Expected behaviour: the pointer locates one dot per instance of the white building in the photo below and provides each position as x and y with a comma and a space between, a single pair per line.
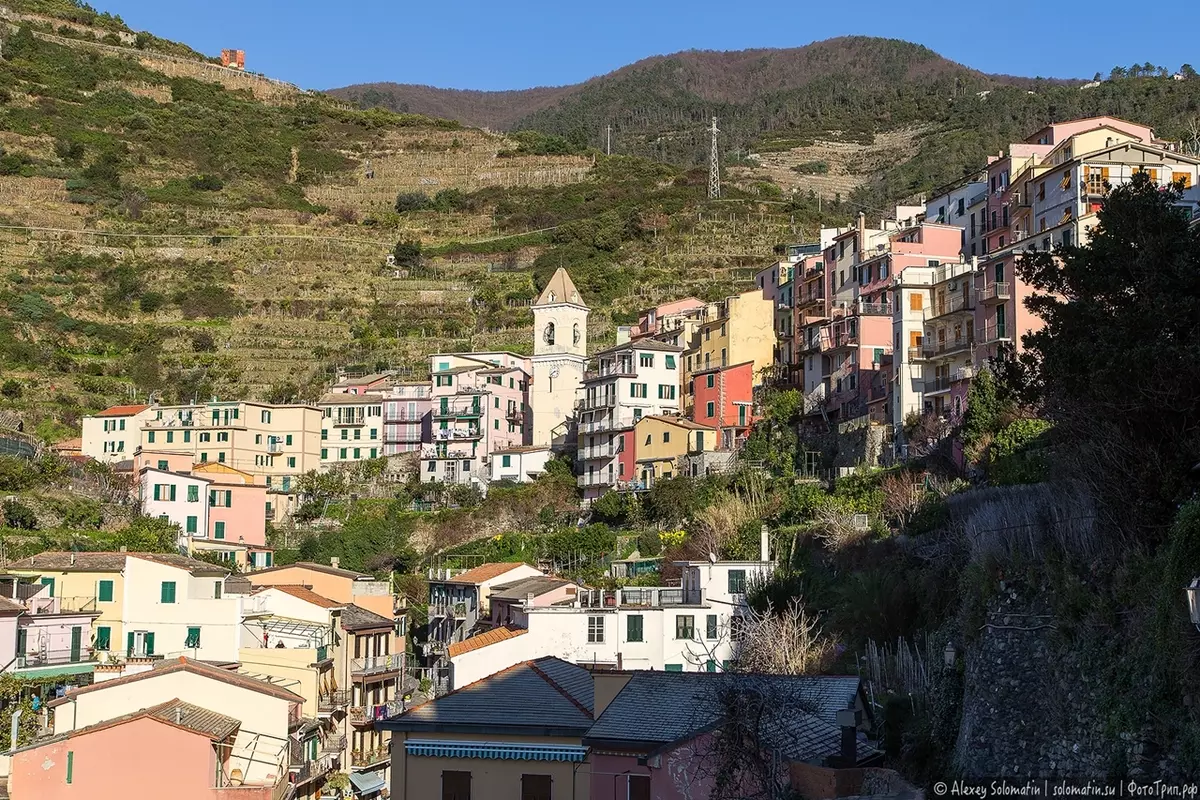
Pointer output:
113, 434
627, 382
176, 606
559, 359
180, 499
519, 464
351, 427
963, 205
692, 627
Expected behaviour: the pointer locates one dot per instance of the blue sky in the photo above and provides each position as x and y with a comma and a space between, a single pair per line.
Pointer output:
467, 44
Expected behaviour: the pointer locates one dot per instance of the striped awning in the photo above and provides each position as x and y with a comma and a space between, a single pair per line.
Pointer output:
504, 751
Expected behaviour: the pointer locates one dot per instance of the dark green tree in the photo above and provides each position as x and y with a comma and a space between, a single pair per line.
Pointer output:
1117, 363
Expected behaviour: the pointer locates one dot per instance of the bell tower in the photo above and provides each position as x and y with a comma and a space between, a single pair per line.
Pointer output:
559, 358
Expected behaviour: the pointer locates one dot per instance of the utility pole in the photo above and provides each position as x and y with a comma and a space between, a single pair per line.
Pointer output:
608, 142
714, 166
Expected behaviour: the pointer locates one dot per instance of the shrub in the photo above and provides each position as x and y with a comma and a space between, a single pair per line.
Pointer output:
20, 516
206, 183
812, 168
411, 201
1018, 453
408, 254
208, 301
13, 163
11, 389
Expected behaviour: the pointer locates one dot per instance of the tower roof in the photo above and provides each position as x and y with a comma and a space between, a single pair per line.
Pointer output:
560, 289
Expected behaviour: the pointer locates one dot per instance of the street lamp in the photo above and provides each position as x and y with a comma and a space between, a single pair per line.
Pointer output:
950, 654
1193, 598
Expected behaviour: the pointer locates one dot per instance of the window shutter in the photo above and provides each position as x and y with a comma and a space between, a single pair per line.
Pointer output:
212, 497
157, 492
149, 644
173, 487
1104, 174
129, 644
228, 498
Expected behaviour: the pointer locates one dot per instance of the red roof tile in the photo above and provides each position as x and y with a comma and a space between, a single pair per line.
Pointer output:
122, 411
485, 572
484, 639
306, 594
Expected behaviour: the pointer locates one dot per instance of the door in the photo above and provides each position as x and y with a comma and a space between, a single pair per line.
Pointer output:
456, 785
639, 787
535, 787
76, 643
49, 582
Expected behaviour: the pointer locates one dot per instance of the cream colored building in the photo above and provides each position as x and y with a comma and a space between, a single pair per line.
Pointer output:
112, 435
661, 441
277, 443
559, 360
738, 329
351, 427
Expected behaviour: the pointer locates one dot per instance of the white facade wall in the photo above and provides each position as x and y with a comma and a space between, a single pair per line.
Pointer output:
351, 432
261, 743
955, 207
169, 495
908, 326
517, 465
196, 605
112, 439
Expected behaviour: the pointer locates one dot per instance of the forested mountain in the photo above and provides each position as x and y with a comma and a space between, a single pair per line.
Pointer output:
845, 89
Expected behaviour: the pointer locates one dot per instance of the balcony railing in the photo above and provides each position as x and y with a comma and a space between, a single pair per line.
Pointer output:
404, 416
367, 758
839, 339
61, 605
376, 664
620, 371
274, 446
874, 309
939, 384
331, 701
995, 293
448, 610
457, 413
995, 333
50, 658
599, 451
609, 422
363, 715
916, 353
641, 597
953, 305
335, 743
350, 421
305, 771
807, 302
947, 347
584, 481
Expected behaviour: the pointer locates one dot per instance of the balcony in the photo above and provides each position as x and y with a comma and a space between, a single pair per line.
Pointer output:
328, 702
305, 771
947, 347
371, 757
470, 412
954, 305
349, 420
994, 334
641, 597
55, 658
916, 353
838, 339
61, 605
335, 743
874, 309
608, 422
367, 715
584, 481
404, 416
274, 445
995, 293
374, 665
624, 370
599, 451
937, 385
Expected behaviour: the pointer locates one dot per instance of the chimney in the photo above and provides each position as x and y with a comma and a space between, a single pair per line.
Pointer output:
862, 232
334, 561
72, 559
529, 600
178, 715
764, 544
847, 720
605, 687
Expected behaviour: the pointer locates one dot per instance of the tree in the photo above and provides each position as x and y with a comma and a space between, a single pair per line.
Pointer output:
1188, 72
148, 535
984, 413
1116, 364
11, 389
20, 516
1116, 74
411, 201
407, 254
789, 642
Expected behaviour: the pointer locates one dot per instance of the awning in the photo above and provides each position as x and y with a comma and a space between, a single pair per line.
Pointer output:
366, 783
495, 750
55, 672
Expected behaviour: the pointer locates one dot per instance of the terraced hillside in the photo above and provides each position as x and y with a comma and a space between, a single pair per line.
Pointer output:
167, 229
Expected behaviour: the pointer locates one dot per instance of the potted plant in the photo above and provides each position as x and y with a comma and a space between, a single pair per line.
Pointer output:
338, 782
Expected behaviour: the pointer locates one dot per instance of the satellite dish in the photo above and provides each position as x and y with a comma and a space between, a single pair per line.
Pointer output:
554, 372
712, 557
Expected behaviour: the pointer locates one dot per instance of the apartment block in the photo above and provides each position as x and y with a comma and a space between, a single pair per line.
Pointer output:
624, 384
115, 433
723, 399
660, 444
479, 405
406, 417
741, 328
352, 427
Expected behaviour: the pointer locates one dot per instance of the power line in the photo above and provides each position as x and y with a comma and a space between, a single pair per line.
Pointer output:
714, 166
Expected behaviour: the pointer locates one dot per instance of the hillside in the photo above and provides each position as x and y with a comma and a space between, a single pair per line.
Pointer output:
942, 118
173, 227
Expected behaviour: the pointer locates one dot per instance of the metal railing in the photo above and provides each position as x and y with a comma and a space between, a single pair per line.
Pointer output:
48, 658
995, 292
874, 309
611, 422
366, 758
456, 413
305, 771
329, 701
61, 605
622, 371
599, 451
449, 610
916, 353
376, 664
953, 305
939, 384
947, 346
335, 743
995, 333
404, 416
595, 479
349, 420
641, 597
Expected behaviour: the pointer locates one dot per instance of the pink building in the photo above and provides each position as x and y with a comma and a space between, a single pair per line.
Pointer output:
51, 635
537, 591
406, 422
173, 748
651, 737
656, 320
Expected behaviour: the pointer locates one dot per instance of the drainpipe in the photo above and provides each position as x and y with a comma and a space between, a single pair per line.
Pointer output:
16, 723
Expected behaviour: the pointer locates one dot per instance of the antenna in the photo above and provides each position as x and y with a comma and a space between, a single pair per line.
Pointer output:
714, 166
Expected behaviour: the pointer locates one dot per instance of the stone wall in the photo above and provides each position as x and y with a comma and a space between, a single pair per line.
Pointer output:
1034, 704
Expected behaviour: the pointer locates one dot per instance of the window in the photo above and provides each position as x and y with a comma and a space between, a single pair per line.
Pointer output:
633, 628
164, 466
666, 391
595, 630
193, 638
673, 668
291, 462
1000, 272
324, 453
266, 417
218, 530
167, 594
456, 785
217, 587
535, 787
103, 638
1186, 177
193, 494
666, 437
671, 359
916, 301
645, 360
191, 524
357, 433
737, 581
204, 458
639, 785
358, 452
737, 626
506, 461
710, 381
685, 626
638, 390
70, 766
258, 438
710, 626
710, 409
150, 437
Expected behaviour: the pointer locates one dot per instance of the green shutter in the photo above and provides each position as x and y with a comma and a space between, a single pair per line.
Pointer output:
187, 436
70, 766
193, 638
218, 530
22, 640
324, 453
129, 644
103, 638
191, 524
49, 582
287, 440
157, 491
150, 437
173, 487
212, 497
193, 494
228, 498
105, 594
673, 667
168, 592
633, 629
149, 644
710, 666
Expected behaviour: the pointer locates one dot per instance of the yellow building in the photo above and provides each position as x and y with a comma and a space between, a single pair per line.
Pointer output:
95, 581
738, 329
660, 441
277, 443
